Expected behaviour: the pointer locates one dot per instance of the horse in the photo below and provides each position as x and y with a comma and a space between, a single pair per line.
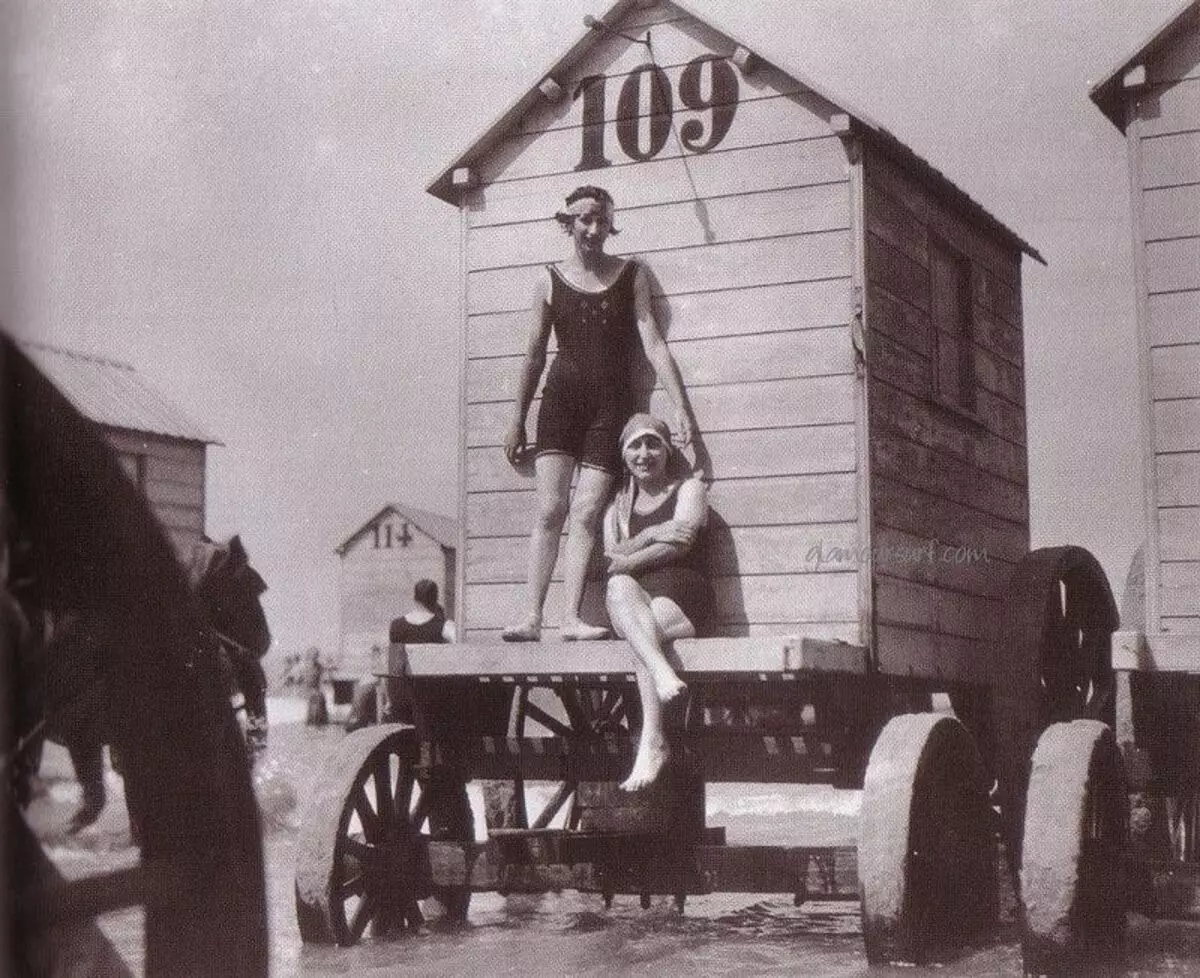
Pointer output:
227, 591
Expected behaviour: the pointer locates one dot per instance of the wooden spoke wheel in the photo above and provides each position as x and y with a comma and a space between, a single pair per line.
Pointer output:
364, 857
1053, 663
582, 714
926, 851
1076, 833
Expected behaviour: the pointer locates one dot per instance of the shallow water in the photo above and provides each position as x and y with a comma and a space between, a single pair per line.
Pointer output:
571, 933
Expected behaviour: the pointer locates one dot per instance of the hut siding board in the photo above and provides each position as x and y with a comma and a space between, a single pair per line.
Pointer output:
757, 319
173, 473
721, 407
792, 210
949, 496
729, 312
771, 452
765, 599
737, 264
1174, 318
1165, 153
663, 179
1177, 478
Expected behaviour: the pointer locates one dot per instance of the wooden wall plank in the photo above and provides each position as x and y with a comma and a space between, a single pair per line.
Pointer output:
891, 269
736, 216
948, 477
948, 522
907, 651
728, 551
909, 557
885, 178
770, 404
1179, 588
728, 360
174, 493
1175, 371
1177, 426
1179, 533
770, 452
713, 174
170, 470
740, 502
1172, 266
728, 312
931, 609
783, 598
1177, 478
157, 446
1169, 109
1174, 317
739, 264
1169, 161
911, 417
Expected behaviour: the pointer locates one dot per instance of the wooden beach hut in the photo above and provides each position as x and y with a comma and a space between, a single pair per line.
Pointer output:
1153, 97
847, 321
164, 452
379, 564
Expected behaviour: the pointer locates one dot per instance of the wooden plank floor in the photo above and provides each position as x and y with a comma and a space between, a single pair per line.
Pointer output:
559, 661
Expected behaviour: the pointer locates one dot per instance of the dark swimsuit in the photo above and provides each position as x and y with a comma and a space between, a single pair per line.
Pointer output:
587, 398
680, 579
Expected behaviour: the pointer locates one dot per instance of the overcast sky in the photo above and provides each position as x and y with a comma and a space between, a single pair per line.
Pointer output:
229, 194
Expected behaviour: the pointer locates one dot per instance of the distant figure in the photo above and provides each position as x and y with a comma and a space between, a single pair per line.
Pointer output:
599, 307
656, 590
314, 674
425, 621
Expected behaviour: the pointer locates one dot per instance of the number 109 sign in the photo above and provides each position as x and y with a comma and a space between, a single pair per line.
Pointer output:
705, 118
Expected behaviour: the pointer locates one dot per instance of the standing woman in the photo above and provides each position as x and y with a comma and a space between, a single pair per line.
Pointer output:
599, 308
657, 590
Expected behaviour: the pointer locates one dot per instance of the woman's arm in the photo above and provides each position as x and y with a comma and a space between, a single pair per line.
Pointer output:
667, 541
531, 369
659, 355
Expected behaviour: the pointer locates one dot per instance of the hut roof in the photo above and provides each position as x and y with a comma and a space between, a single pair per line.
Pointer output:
114, 394
443, 187
1109, 94
440, 528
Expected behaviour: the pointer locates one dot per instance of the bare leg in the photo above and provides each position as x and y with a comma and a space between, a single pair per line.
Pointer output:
553, 500
592, 492
646, 624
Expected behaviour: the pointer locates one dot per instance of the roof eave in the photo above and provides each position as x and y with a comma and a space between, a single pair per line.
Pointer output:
1109, 93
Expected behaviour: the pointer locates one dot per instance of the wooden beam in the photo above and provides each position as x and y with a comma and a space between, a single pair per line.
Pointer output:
766, 656
1135, 651
746, 60
1135, 77
813, 873
551, 90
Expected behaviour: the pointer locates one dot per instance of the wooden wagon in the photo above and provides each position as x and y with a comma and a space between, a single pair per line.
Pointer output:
848, 324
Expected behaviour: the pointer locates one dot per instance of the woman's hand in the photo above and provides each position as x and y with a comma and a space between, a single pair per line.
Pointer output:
684, 429
672, 531
618, 563
514, 444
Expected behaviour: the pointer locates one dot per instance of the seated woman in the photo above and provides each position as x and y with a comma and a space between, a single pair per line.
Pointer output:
656, 593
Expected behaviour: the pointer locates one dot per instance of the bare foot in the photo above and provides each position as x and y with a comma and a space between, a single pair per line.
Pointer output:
648, 764
528, 631
671, 691
581, 631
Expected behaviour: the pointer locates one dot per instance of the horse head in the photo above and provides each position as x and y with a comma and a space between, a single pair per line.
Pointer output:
228, 590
